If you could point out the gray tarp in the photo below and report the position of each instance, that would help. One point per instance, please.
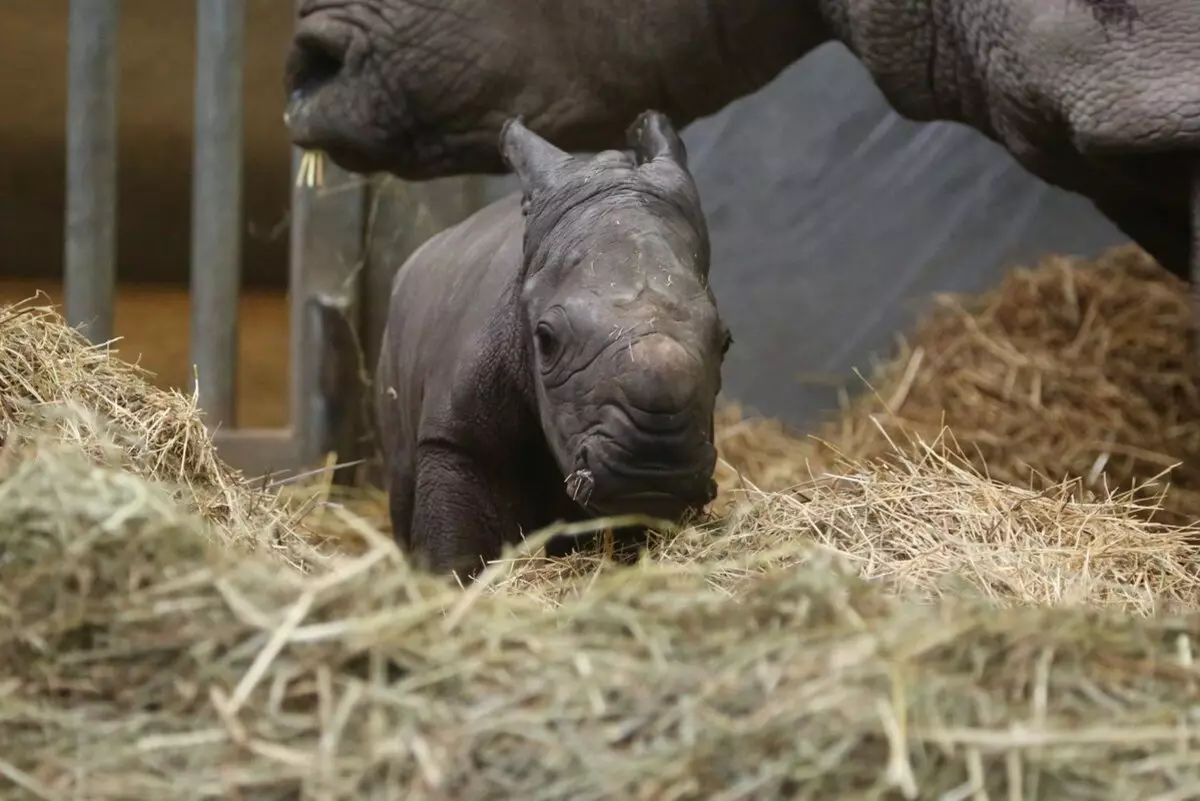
(833, 220)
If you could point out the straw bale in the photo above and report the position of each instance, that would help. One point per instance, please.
(57, 386)
(140, 662)
(1072, 369)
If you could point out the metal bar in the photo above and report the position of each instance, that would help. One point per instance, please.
(258, 451)
(335, 409)
(216, 268)
(327, 240)
(1195, 258)
(91, 204)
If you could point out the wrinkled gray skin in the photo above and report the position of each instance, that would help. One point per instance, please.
(1101, 97)
(582, 337)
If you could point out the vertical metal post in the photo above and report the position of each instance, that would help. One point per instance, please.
(91, 212)
(217, 204)
(327, 244)
(1195, 257)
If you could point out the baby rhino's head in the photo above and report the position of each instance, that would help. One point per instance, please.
(625, 341)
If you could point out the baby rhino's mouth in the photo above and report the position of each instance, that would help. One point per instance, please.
(580, 484)
(652, 503)
(616, 486)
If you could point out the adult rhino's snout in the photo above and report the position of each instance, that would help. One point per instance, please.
(325, 93)
(663, 380)
(317, 56)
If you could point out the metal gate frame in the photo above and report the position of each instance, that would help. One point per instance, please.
(340, 266)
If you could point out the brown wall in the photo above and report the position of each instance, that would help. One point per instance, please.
(157, 52)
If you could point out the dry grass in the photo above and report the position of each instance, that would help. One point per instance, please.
(1071, 369)
(922, 522)
(885, 623)
(142, 663)
(57, 387)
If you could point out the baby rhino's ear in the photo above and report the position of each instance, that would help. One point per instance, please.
(536, 163)
(653, 137)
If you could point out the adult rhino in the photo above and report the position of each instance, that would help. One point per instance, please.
(1099, 97)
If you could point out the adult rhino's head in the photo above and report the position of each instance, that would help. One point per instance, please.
(624, 340)
(420, 88)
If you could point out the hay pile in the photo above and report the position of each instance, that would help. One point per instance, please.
(142, 663)
(897, 627)
(1073, 369)
(56, 387)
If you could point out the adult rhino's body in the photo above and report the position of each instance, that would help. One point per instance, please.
(567, 331)
(1101, 97)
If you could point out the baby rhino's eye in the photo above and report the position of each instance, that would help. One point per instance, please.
(547, 343)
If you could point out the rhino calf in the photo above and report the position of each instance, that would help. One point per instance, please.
(556, 355)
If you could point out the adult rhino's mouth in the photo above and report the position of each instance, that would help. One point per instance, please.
(329, 105)
(315, 61)
(366, 121)
(652, 503)
(317, 57)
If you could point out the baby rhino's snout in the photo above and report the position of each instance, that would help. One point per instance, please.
(655, 455)
(664, 378)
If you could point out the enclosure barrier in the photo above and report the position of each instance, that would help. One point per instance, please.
(340, 266)
(91, 209)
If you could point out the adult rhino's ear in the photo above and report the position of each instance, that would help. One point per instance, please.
(652, 136)
(535, 161)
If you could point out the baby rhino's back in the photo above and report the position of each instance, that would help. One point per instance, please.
(443, 299)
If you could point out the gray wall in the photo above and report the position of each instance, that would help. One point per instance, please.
(833, 220)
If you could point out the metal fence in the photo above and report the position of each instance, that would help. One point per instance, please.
(340, 265)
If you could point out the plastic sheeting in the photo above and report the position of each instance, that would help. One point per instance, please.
(833, 220)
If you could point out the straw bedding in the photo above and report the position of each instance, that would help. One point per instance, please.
(1072, 369)
(58, 387)
(143, 670)
(895, 625)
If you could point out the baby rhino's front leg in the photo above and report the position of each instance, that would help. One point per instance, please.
(462, 514)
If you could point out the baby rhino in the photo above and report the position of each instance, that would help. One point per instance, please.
(557, 355)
